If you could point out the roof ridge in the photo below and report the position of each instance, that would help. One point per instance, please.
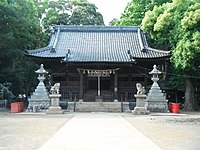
(38, 50)
(158, 50)
(142, 46)
(96, 28)
(55, 41)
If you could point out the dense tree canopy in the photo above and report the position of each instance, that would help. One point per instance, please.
(19, 30)
(177, 24)
(68, 12)
(18, 27)
(135, 11)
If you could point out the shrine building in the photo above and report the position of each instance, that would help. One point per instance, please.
(99, 63)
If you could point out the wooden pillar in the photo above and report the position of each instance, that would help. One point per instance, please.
(116, 86)
(81, 86)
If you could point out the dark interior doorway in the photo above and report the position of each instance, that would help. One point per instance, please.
(105, 83)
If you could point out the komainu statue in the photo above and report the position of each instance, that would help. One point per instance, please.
(140, 89)
(55, 89)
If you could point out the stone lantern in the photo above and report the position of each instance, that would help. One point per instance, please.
(39, 101)
(155, 72)
(41, 72)
(156, 100)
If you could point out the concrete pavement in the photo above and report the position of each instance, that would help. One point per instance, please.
(98, 131)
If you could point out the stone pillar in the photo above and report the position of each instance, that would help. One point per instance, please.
(81, 87)
(140, 108)
(116, 87)
(55, 108)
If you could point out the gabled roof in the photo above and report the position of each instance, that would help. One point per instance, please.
(98, 44)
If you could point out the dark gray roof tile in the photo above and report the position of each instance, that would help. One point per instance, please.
(98, 44)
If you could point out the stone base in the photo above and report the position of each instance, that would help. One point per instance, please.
(58, 108)
(140, 108)
(140, 111)
(38, 105)
(98, 99)
(157, 105)
(80, 100)
(55, 112)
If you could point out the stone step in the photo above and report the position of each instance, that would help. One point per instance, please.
(90, 95)
(98, 107)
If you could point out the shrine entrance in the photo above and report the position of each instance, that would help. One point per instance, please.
(104, 82)
(99, 81)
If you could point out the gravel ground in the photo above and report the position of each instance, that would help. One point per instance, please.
(176, 132)
(28, 132)
(169, 132)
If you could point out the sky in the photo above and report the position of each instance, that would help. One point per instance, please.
(110, 8)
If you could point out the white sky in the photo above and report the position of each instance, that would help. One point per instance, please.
(110, 8)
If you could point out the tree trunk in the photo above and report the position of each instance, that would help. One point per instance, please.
(189, 95)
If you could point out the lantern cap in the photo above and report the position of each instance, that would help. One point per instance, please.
(155, 70)
(41, 70)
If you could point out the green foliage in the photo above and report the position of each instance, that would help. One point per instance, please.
(84, 13)
(135, 11)
(23, 78)
(150, 23)
(187, 50)
(19, 30)
(68, 12)
(178, 24)
(113, 22)
(5, 93)
(176, 79)
(18, 25)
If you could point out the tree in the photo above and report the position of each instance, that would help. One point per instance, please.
(135, 11)
(178, 25)
(84, 13)
(113, 22)
(68, 12)
(19, 30)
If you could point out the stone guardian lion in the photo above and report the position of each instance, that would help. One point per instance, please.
(140, 90)
(55, 89)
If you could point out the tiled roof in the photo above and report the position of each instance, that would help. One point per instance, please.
(97, 44)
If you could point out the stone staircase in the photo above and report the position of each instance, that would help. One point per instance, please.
(90, 95)
(98, 107)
